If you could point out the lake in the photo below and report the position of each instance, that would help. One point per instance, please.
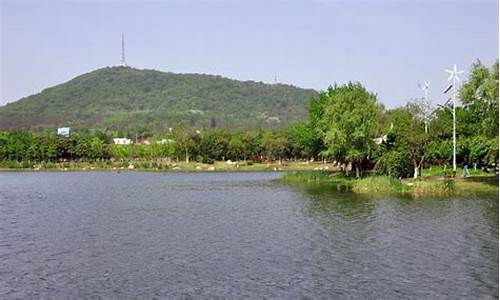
(235, 235)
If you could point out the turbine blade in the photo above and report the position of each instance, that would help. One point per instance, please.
(451, 76)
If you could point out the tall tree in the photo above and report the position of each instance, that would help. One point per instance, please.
(187, 139)
(479, 95)
(346, 118)
(303, 142)
(409, 134)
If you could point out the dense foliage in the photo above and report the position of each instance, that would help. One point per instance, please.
(351, 126)
(146, 100)
(346, 122)
(182, 143)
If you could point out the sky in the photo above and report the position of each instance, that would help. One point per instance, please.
(389, 46)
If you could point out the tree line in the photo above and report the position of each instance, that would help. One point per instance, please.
(345, 124)
(182, 143)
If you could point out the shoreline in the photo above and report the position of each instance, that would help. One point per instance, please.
(164, 166)
(296, 173)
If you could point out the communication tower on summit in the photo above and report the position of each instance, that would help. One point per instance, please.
(122, 62)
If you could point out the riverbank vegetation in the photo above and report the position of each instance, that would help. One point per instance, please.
(430, 186)
(347, 129)
(165, 165)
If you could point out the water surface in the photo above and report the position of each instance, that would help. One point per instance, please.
(237, 235)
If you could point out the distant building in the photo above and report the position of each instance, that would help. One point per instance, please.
(165, 141)
(122, 141)
(63, 131)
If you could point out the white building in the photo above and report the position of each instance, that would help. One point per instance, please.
(63, 131)
(122, 141)
(165, 141)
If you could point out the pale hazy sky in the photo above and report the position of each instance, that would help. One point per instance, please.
(389, 46)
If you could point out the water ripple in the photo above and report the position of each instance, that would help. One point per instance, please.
(236, 235)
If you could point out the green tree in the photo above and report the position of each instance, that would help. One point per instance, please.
(275, 145)
(188, 141)
(214, 144)
(479, 95)
(96, 148)
(303, 140)
(251, 144)
(345, 118)
(409, 135)
(236, 146)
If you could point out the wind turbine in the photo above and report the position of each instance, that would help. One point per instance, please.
(426, 109)
(455, 80)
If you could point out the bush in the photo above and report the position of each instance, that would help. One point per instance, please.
(379, 184)
(394, 163)
(493, 152)
(448, 185)
(439, 150)
(208, 160)
(307, 176)
(11, 164)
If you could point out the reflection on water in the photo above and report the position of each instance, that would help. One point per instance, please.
(425, 243)
(236, 235)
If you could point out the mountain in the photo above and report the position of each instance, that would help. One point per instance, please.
(124, 98)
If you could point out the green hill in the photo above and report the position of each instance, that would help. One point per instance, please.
(124, 98)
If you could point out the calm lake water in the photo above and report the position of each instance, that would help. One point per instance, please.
(236, 235)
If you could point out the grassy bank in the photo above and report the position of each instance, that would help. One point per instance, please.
(164, 165)
(482, 183)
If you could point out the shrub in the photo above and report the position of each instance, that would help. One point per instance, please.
(208, 160)
(448, 185)
(394, 163)
(379, 184)
(439, 150)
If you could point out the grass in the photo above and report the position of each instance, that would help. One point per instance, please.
(448, 171)
(363, 185)
(434, 186)
(379, 184)
(474, 185)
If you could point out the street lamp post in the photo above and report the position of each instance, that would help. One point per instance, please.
(426, 106)
(454, 78)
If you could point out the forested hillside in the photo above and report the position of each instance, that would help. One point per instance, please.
(125, 98)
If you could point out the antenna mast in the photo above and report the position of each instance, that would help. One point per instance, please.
(123, 63)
